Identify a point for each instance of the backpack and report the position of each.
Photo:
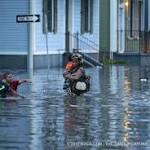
(81, 85)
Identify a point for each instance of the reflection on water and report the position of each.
(114, 114)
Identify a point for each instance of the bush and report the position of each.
(114, 62)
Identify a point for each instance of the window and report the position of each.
(50, 10)
(86, 16)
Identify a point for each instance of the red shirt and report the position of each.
(14, 84)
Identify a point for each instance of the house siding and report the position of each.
(104, 25)
(13, 36)
(77, 16)
(77, 20)
(96, 21)
(149, 15)
(56, 42)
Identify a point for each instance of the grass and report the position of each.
(114, 62)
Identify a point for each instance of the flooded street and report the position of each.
(114, 114)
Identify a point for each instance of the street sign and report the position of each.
(27, 18)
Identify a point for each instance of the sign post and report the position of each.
(46, 36)
(30, 19)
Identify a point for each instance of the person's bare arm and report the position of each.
(25, 81)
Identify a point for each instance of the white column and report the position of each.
(70, 21)
(113, 25)
(34, 124)
(31, 37)
(149, 15)
(121, 28)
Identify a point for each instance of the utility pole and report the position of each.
(31, 38)
(67, 33)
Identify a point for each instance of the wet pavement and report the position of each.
(114, 114)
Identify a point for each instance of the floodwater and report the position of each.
(114, 114)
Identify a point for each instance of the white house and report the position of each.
(69, 24)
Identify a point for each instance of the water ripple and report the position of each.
(114, 114)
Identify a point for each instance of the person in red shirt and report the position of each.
(13, 84)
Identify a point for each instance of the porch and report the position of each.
(136, 48)
(135, 42)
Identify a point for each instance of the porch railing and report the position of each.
(135, 41)
(84, 45)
